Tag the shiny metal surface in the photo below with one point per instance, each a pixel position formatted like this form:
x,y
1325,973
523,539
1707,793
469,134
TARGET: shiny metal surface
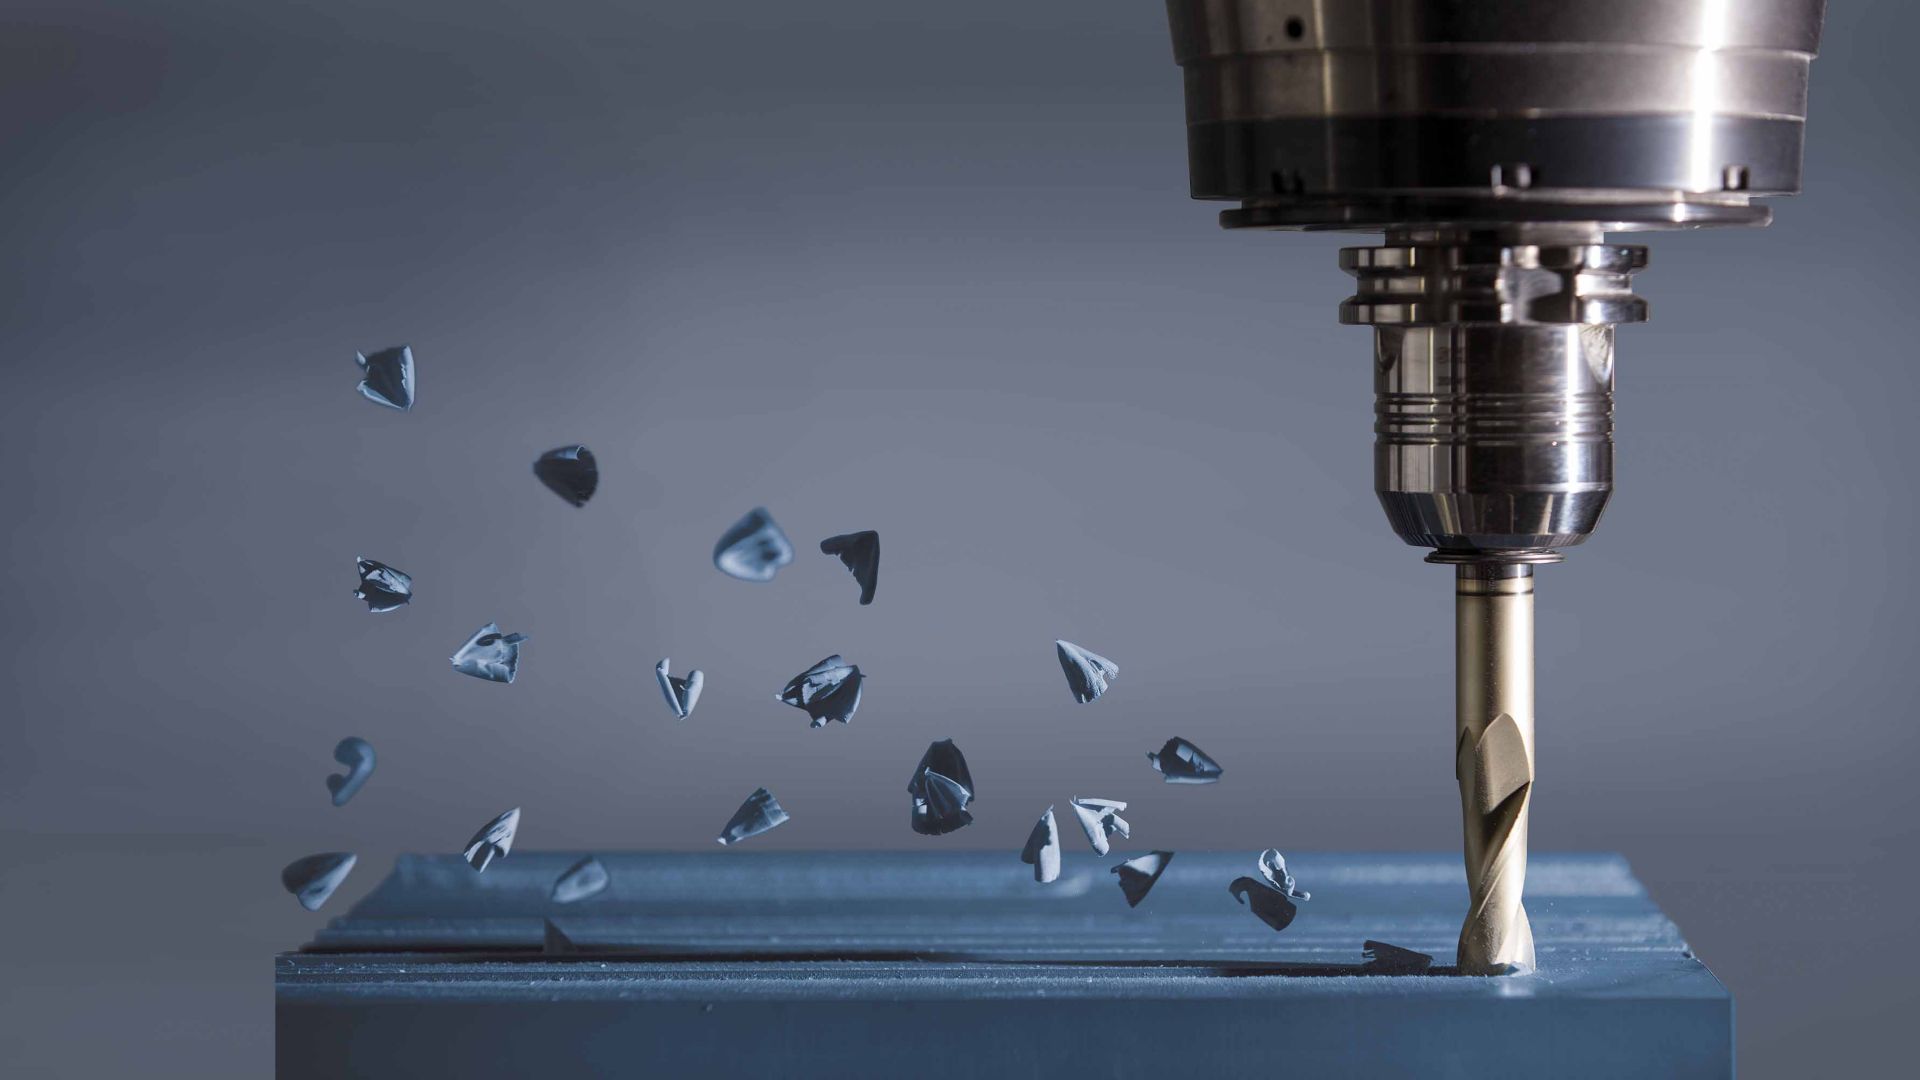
x,y
1493,384
1493,760
1495,142
1642,104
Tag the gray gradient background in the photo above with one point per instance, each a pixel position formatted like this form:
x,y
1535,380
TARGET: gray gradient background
x,y
928,269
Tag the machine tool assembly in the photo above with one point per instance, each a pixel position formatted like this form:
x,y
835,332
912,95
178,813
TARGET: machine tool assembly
x,y
1495,143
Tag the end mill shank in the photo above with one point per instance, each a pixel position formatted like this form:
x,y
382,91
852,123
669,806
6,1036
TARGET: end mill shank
x,y
1493,759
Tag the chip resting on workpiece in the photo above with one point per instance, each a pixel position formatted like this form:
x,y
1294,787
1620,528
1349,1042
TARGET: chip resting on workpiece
x,y
356,754
1043,848
581,880
681,694
759,813
1385,959
1271,896
829,690
1138,875
555,941
313,879
387,377
1087,672
1181,762
490,654
569,472
381,586
860,553
754,549
494,840
941,788
1100,818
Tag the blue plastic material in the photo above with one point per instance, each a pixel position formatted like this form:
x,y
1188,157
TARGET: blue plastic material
x,y
959,964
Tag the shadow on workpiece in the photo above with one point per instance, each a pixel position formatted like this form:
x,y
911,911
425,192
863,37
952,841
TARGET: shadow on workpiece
x,y
1223,968
564,951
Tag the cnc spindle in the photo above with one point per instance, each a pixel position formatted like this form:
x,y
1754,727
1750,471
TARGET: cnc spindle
x,y
1495,143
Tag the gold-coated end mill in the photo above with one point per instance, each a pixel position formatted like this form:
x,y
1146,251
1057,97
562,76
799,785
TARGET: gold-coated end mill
x,y
1493,759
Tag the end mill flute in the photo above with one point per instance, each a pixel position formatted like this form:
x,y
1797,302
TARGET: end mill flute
x,y
1495,144
1493,760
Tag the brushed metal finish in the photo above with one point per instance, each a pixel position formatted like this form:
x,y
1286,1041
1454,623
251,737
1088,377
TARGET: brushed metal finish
x,y
1491,282
1493,761
1418,56
1493,438
1493,387
1308,109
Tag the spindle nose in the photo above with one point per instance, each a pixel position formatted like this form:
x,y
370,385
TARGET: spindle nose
x,y
1493,387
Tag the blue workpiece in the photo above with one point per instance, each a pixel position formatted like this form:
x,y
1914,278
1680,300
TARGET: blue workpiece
x,y
959,964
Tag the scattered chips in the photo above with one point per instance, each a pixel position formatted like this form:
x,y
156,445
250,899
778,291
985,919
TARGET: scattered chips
x,y
859,553
1043,849
1272,899
494,840
387,377
829,690
1385,959
754,549
1138,875
1101,819
681,694
1181,762
490,654
759,813
585,878
1087,672
381,586
569,472
941,787
356,754
313,879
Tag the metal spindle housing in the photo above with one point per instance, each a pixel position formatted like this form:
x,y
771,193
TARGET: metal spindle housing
x,y
1496,143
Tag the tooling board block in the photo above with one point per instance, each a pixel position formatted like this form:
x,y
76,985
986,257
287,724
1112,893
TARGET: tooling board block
x,y
742,963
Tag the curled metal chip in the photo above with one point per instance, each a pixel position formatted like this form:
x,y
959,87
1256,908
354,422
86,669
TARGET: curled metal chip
x,y
1043,849
387,377
313,879
1273,867
941,788
754,549
860,553
585,878
681,694
494,840
490,654
1100,819
1138,875
381,586
569,472
1181,762
1272,895
1088,673
356,754
829,690
759,813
